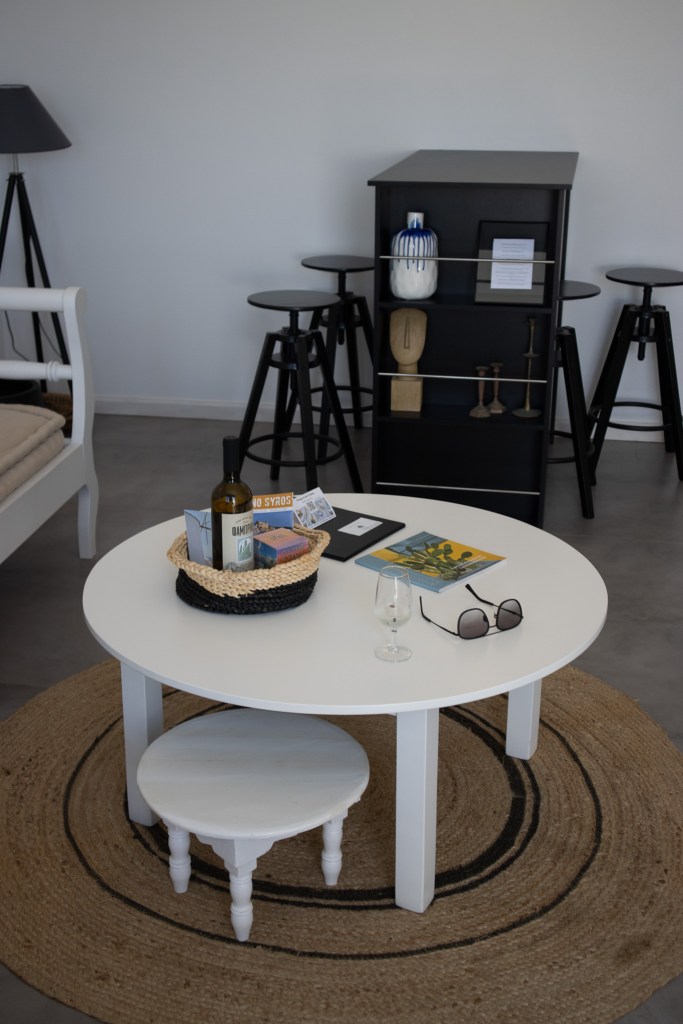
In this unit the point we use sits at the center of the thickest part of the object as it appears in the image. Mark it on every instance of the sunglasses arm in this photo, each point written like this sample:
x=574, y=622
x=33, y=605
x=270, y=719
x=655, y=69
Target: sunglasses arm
x=482, y=600
x=427, y=619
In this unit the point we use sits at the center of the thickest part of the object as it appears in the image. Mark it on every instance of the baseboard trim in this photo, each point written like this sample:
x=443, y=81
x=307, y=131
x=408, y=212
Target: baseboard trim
x=192, y=409
x=176, y=408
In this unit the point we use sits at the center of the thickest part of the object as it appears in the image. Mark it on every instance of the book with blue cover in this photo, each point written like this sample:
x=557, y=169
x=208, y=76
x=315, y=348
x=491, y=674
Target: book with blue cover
x=433, y=562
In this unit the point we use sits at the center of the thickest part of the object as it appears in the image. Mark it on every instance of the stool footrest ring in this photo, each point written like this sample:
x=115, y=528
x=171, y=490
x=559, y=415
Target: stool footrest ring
x=345, y=387
x=635, y=426
x=292, y=463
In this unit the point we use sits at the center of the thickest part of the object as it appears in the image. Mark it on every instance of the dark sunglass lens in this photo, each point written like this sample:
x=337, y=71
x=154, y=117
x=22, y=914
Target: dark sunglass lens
x=509, y=614
x=472, y=624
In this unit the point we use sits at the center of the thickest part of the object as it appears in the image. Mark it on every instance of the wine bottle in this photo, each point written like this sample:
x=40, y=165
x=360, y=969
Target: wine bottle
x=232, y=522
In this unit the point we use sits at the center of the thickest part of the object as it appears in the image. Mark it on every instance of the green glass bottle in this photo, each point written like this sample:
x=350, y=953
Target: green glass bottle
x=232, y=522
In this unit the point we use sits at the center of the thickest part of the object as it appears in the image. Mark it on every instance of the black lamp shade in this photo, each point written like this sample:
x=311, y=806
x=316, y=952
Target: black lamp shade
x=25, y=125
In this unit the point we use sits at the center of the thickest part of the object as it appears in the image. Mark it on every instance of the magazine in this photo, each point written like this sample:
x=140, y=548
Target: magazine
x=434, y=563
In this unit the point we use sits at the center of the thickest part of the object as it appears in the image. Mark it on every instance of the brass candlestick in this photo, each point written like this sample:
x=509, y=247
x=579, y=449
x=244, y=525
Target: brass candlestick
x=526, y=411
x=480, y=411
x=495, y=406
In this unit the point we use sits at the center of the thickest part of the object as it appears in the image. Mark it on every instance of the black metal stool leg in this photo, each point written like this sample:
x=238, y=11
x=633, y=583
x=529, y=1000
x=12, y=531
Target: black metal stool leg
x=337, y=413
x=354, y=374
x=553, y=400
x=334, y=329
x=282, y=417
x=256, y=392
x=351, y=312
x=605, y=393
x=365, y=323
x=293, y=400
x=306, y=409
x=316, y=319
x=668, y=387
x=577, y=415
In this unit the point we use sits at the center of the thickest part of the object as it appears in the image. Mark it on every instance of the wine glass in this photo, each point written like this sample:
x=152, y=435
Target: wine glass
x=393, y=606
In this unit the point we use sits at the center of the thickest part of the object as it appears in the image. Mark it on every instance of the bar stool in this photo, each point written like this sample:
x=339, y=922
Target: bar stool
x=299, y=352
x=240, y=781
x=353, y=313
x=642, y=324
x=567, y=360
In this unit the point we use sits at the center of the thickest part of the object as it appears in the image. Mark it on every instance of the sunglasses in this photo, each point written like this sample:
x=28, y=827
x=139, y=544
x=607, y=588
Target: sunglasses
x=474, y=623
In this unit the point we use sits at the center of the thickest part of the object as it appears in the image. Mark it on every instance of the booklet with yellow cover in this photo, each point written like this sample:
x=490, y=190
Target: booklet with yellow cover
x=432, y=562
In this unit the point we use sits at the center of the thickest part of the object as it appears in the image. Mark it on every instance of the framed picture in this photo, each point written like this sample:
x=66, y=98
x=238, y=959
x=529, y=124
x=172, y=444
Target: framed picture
x=511, y=267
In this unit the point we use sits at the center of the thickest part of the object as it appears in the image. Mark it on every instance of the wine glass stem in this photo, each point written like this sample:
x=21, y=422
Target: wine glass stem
x=393, y=645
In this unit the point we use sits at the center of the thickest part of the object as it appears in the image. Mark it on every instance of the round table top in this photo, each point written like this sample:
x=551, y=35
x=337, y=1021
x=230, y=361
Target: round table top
x=319, y=658
x=339, y=264
x=651, y=277
x=577, y=290
x=295, y=300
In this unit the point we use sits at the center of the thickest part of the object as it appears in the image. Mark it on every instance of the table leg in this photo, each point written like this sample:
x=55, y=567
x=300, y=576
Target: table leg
x=143, y=721
x=524, y=712
x=417, y=748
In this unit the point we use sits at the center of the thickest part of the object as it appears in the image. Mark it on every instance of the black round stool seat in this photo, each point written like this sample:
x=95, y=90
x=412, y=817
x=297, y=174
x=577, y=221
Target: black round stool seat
x=295, y=300
x=577, y=290
x=646, y=277
x=339, y=264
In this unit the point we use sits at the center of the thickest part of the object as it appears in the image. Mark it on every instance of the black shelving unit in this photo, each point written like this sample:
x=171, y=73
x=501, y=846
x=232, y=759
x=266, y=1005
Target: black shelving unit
x=497, y=463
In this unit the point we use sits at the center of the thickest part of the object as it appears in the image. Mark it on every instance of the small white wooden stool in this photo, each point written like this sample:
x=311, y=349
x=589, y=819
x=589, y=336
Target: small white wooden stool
x=242, y=779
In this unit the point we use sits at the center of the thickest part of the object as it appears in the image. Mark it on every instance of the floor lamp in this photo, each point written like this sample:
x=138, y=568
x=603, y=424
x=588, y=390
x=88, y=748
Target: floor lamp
x=26, y=127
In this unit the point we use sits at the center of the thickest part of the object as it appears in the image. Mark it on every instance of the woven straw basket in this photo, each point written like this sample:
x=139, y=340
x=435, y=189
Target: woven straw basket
x=248, y=593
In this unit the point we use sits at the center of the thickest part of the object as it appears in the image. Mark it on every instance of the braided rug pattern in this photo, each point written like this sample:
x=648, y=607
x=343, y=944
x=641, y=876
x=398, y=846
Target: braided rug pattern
x=558, y=894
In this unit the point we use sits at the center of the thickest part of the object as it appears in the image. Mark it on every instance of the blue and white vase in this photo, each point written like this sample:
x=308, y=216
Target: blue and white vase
x=414, y=275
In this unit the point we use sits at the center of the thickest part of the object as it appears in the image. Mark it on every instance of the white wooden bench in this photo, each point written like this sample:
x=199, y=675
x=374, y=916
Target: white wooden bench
x=72, y=469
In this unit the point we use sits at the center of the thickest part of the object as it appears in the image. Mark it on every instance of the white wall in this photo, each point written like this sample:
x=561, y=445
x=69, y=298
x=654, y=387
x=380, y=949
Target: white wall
x=217, y=142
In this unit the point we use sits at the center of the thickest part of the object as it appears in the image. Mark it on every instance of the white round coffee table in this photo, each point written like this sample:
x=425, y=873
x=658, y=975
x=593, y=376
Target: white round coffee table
x=319, y=658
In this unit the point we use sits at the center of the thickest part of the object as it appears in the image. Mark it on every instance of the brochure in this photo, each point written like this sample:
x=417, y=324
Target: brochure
x=312, y=509
x=433, y=562
x=272, y=511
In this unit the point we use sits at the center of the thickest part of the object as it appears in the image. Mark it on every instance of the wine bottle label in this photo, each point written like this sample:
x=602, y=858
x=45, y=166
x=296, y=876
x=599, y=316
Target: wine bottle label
x=238, y=541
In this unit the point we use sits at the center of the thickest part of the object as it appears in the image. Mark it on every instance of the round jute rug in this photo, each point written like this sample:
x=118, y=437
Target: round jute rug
x=558, y=890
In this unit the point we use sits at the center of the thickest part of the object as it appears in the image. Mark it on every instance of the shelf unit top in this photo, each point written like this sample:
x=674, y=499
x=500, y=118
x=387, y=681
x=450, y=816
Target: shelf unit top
x=477, y=167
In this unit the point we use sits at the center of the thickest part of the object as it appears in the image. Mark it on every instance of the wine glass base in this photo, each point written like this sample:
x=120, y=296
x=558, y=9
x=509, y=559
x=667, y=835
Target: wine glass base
x=387, y=653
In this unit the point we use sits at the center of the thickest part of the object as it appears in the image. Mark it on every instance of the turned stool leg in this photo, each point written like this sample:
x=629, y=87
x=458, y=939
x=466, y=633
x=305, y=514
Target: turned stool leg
x=331, y=859
x=179, y=862
x=241, y=908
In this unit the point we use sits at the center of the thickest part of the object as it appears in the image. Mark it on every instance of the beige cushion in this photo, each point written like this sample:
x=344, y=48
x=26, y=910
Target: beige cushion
x=30, y=436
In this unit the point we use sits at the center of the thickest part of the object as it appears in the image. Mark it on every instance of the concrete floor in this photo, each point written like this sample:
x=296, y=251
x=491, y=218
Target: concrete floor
x=150, y=469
